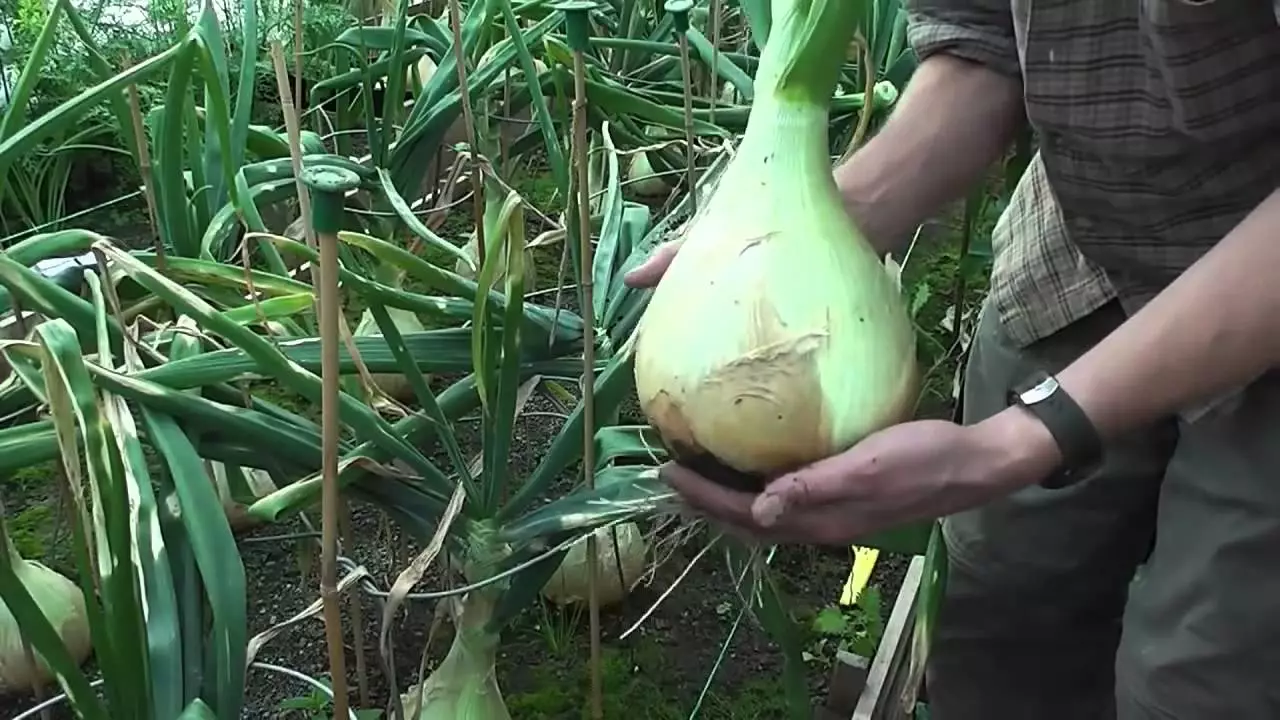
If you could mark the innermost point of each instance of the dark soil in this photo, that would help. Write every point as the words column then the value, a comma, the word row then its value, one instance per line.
column 657, row 672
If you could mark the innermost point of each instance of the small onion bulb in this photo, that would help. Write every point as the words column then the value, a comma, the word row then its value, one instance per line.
column 394, row 385
column 621, row 553
column 63, row 605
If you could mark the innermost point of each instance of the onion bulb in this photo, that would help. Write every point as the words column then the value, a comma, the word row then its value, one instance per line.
column 620, row 562
column 777, row 337
column 63, row 606
column 419, row 74
column 406, row 321
column 645, row 181
column 641, row 176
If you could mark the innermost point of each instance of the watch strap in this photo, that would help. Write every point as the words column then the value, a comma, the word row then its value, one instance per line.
column 1075, row 434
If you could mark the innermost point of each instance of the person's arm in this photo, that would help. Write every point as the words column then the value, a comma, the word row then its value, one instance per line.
column 1215, row 328
column 955, row 118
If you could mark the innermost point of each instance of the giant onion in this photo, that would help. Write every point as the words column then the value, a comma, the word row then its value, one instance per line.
column 777, row 337
column 642, row 178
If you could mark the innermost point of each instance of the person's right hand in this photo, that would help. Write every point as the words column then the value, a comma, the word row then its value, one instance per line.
column 648, row 273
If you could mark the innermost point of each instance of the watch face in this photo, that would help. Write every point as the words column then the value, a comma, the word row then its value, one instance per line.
column 1042, row 390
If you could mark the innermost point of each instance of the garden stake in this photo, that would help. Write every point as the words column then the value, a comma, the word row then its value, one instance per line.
column 679, row 10
column 329, row 187
column 298, row 100
column 577, row 14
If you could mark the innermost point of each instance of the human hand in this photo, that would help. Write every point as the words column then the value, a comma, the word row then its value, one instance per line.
column 913, row 471
column 648, row 273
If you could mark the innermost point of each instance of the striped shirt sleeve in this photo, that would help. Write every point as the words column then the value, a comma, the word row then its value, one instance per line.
column 976, row 30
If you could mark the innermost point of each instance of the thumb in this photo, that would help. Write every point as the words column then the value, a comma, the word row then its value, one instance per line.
column 816, row 484
column 648, row 273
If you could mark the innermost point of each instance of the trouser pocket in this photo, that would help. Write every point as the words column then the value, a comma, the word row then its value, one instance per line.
column 1031, row 617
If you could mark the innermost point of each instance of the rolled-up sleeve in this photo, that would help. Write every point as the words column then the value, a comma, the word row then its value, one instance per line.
column 977, row 30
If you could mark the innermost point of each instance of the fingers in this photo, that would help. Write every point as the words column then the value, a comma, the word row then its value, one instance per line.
column 731, row 511
column 720, row 503
column 821, row 483
column 647, row 274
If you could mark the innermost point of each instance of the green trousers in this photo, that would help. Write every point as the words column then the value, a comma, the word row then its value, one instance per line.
column 1149, row 589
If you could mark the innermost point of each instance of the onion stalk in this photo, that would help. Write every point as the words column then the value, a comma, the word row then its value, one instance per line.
column 777, row 337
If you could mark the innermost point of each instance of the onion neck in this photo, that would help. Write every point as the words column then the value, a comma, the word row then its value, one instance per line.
column 786, row 143
column 474, row 650
column 467, row 673
column 807, row 47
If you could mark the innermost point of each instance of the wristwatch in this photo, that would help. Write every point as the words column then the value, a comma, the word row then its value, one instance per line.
column 1075, row 434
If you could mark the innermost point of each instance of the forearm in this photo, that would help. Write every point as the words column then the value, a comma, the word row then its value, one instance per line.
column 1215, row 328
column 955, row 118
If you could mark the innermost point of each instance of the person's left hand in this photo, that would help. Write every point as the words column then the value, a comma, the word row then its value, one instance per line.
column 914, row 471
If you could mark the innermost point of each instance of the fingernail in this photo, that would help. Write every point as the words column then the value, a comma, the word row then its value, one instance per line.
column 767, row 510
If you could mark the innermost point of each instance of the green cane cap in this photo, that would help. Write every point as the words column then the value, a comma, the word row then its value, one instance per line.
column 577, row 20
column 679, row 10
column 329, row 186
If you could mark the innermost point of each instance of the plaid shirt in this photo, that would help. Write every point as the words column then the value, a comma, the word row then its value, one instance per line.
column 1159, row 128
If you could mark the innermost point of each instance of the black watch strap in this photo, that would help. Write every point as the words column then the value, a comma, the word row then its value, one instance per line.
column 1077, row 438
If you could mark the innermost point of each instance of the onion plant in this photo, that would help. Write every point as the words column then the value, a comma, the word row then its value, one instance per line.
column 159, row 352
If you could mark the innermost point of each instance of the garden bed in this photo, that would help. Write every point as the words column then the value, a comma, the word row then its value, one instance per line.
column 657, row 672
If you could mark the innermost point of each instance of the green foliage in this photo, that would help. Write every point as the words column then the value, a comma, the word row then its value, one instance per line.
column 637, row 683
column 856, row 629
column 199, row 343
column 318, row 705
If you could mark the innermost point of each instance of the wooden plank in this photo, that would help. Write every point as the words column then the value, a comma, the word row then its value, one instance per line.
column 879, row 699
column 848, row 679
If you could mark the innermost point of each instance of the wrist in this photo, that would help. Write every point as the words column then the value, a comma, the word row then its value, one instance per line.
column 1021, row 448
